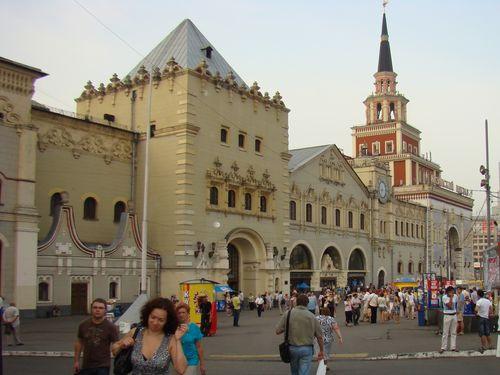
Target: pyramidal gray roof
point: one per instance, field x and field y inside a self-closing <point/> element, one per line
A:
<point x="186" y="44"/>
<point x="302" y="156"/>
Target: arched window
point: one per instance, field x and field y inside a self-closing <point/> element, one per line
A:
<point x="214" y="196"/>
<point x="293" y="210"/>
<point x="410" y="267"/>
<point x="113" y="290"/>
<point x="412" y="230"/>
<point x="396" y="227"/>
<point x="231" y="198"/>
<point x="120" y="207"/>
<point x="309" y="213"/>
<point x="263" y="204"/>
<point x="420" y="267"/>
<point x="55" y="200"/>
<point x="407" y="229"/>
<point x="241" y="140"/>
<point x="337" y="217"/>
<point x="379" y="111"/>
<point x="258" y="143"/>
<point x="323" y="215"/>
<point x="43" y="291"/>
<point x="223" y="135"/>
<point x="416" y="231"/>
<point x="349" y="219"/>
<point x="248" y="201"/>
<point x="402" y="228"/>
<point x="90" y="209"/>
<point x="400" y="267"/>
<point x="362" y="221"/>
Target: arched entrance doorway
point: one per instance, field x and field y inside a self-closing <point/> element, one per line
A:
<point x="381" y="279"/>
<point x="454" y="252"/>
<point x="331" y="265"/>
<point x="245" y="251"/>
<point x="301" y="267"/>
<point x="357" y="269"/>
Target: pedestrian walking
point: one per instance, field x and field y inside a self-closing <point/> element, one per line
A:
<point x="312" y="304"/>
<point x="259" y="301"/>
<point x="411" y="305"/>
<point x="348" y="311"/>
<point x="12" y="323"/>
<point x="373" y="304"/>
<point x="251" y="301"/>
<point x="460" y="311"/>
<point x="158" y="342"/>
<point x="281" y="302"/>
<point x="303" y="328"/>
<point x="241" y="296"/>
<point x="484" y="310"/>
<point x="449" y="320"/>
<point x="205" y="307"/>
<point x="356" y="308"/>
<point x="328" y="325"/>
<point x="382" y="307"/>
<point x="191" y="342"/>
<point x="236" y="310"/>
<point x="95" y="337"/>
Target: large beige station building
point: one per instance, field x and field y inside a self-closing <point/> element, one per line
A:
<point x="228" y="200"/>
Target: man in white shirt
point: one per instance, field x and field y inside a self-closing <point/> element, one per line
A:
<point x="484" y="309"/>
<point x="373" y="304"/>
<point x="11" y="317"/>
<point x="449" y="320"/>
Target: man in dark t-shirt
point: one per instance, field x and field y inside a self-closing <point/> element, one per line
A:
<point x="95" y="336"/>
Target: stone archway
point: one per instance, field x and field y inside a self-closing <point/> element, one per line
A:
<point x="301" y="266"/>
<point x="356" y="269"/>
<point x="454" y="254"/>
<point x="331" y="267"/>
<point x="246" y="255"/>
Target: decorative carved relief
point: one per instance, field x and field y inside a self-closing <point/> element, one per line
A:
<point x="8" y="110"/>
<point x="121" y="150"/>
<point x="93" y="144"/>
<point x="56" y="137"/>
<point x="216" y="173"/>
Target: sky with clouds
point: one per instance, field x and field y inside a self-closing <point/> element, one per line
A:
<point x="321" y="56"/>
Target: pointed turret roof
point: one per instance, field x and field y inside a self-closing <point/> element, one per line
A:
<point x="188" y="46"/>
<point x="384" y="56"/>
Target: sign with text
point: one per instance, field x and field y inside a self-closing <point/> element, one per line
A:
<point x="432" y="290"/>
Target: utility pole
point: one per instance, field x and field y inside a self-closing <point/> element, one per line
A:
<point x="485" y="182"/>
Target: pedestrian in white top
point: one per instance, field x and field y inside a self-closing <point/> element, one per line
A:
<point x="449" y="320"/>
<point x="11" y="319"/>
<point x="484" y="309"/>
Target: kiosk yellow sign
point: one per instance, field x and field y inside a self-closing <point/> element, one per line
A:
<point x="189" y="295"/>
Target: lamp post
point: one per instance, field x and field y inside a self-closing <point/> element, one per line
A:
<point x="485" y="182"/>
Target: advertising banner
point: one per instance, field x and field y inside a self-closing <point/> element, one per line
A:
<point x="432" y="290"/>
<point x="190" y="293"/>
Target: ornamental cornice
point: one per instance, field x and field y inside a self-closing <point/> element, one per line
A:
<point x="170" y="72"/>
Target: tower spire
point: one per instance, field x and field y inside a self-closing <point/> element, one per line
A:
<point x="384" y="56"/>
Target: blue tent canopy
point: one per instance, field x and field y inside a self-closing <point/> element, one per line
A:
<point x="223" y="289"/>
<point x="303" y="285"/>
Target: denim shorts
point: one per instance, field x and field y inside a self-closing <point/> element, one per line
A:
<point x="484" y="327"/>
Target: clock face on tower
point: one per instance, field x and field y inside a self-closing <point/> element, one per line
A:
<point x="383" y="191"/>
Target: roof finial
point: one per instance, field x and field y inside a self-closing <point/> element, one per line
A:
<point x="384" y="4"/>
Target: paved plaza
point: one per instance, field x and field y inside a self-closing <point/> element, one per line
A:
<point x="252" y="348"/>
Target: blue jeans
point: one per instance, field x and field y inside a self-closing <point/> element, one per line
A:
<point x="236" y="317"/>
<point x="301" y="357"/>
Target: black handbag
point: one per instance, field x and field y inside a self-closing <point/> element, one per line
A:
<point x="123" y="361"/>
<point x="285" y="345"/>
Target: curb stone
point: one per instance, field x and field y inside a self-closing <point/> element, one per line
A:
<point x="394" y="356"/>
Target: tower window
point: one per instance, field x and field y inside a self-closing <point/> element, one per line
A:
<point x="293" y="210"/>
<point x="241" y="140"/>
<point x="152" y="130"/>
<point x="223" y="135"/>
<point x="379" y="111"/>
<point x="376" y="148"/>
<point x="258" y="144"/>
<point x="120" y="207"/>
<point x="263" y="204"/>
<point x="231" y="199"/>
<point x="337" y="217"/>
<point x="323" y="215"/>
<point x="208" y="52"/>
<point x="389" y="147"/>
<point x="55" y="200"/>
<point x="392" y="113"/>
<point x="214" y="196"/>
<point x="309" y="213"/>
<point x="90" y="209"/>
<point x="248" y="201"/>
